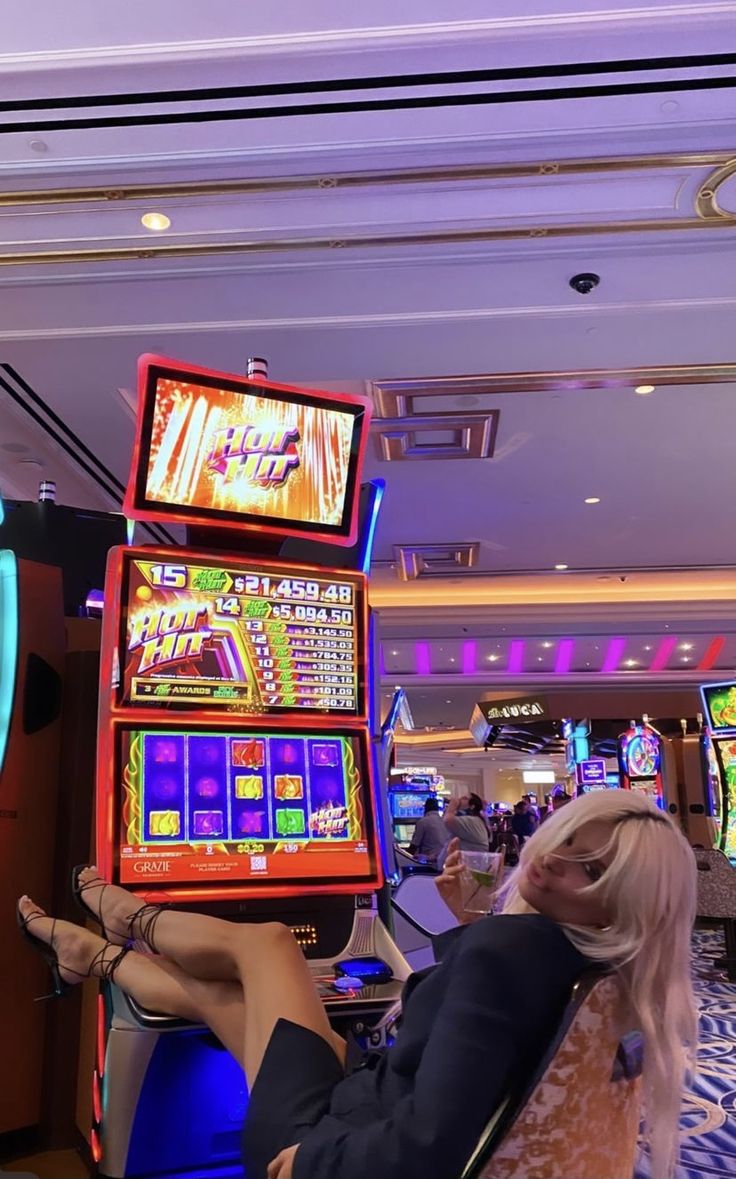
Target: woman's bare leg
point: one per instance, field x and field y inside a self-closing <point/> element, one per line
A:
<point x="154" y="983"/>
<point x="264" y="959"/>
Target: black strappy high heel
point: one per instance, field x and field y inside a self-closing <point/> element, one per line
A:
<point x="49" y="955"/>
<point x="78" y="891"/>
<point x="146" y="918"/>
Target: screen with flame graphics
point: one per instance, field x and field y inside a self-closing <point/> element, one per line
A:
<point x="236" y="452"/>
<point x="242" y="637"/>
<point x="234" y="806"/>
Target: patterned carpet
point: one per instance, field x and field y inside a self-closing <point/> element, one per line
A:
<point x="709" y="1118"/>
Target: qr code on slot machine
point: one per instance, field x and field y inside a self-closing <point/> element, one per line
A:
<point x="258" y="863"/>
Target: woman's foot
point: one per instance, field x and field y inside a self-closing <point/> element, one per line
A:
<point x="81" y="954"/>
<point x="114" y="907"/>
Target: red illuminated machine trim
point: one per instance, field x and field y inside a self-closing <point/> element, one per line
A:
<point x="322" y="868"/>
<point x="289" y="464"/>
<point x="222" y="870"/>
<point x="211" y="635"/>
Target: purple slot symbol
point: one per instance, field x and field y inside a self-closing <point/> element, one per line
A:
<point x="208" y="823"/>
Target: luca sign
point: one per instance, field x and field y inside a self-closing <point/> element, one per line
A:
<point x="527" y="708"/>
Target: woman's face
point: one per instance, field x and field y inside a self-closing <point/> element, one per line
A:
<point x="552" y="884"/>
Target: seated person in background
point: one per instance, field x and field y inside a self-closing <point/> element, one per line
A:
<point x="463" y="818"/>
<point x="609" y="880"/>
<point x="523" y="821"/>
<point x="430" y="834"/>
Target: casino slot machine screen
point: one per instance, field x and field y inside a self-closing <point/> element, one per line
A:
<point x="719" y="702"/>
<point x="220" y="451"/>
<point x="205" y="792"/>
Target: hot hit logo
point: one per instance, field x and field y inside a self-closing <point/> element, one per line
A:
<point x="264" y="457"/>
<point x="168" y="634"/>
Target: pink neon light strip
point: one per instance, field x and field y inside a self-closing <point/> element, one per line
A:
<point x="564" y="656"/>
<point x="470" y="652"/>
<point x="423" y="661"/>
<point x="712" y="653"/>
<point x="516" y="655"/>
<point x="614" y="654"/>
<point x="663" y="653"/>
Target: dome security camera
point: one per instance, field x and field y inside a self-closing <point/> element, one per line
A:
<point x="584" y="283"/>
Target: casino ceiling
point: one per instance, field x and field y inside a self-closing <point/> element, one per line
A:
<point x="398" y="207"/>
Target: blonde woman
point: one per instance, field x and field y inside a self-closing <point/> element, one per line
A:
<point x="607" y="880"/>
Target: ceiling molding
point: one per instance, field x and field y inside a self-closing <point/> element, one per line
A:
<point x="338" y="41"/>
<point x="459" y="174"/>
<point x="394" y="398"/>
<point x="669" y="680"/>
<point x="387" y="319"/>
<point x="432" y="560"/>
<point x="435" y="436"/>
<point x="541" y="614"/>
<point x="46" y="257"/>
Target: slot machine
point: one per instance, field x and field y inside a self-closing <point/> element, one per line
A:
<point x="719" y="750"/>
<point x="235" y="755"/>
<point x="640" y="757"/>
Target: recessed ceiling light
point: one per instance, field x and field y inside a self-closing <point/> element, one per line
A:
<point x="631" y="663"/>
<point x="593" y="499"/>
<point x="686" y="659"/>
<point x="546" y="643"/>
<point x="448" y="701"/>
<point x="686" y="646"/>
<point x="492" y="658"/>
<point x="540" y="659"/>
<point x="155" y="221"/>
<point x="647" y="646"/>
<point x="394" y="652"/>
<point x="644" y="389"/>
<point x="452" y="659"/>
<point x="561" y="566"/>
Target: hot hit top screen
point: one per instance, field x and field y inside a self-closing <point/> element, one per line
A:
<point x="211" y="452"/>
<point x="243" y="806"/>
<point x="247" y="638"/>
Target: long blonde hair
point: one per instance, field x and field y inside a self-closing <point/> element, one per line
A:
<point x="649" y="889"/>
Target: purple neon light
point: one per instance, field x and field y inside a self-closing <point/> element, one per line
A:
<point x="516" y="655"/>
<point x="564" y="656"/>
<point x="423" y="661"/>
<point x="470" y="651"/>
<point x="663" y="653"/>
<point x="614" y="653"/>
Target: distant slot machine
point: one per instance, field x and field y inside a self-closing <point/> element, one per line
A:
<point x="640" y="761"/>
<point x="719" y="706"/>
<point x="409" y="789"/>
<point x="234" y="753"/>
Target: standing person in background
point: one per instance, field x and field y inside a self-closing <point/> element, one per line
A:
<point x="430" y="834"/>
<point x="464" y="819"/>
<point x="523" y="821"/>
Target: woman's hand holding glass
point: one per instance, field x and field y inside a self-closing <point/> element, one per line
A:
<point x="449" y="884"/>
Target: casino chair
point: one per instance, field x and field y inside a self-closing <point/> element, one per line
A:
<point x="717" y="898"/>
<point x="579" y="1116"/>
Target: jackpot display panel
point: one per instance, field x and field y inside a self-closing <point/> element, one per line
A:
<point x="719" y="706"/>
<point x="221" y="451"/>
<point x="234" y="753"/>
<point x="243" y="636"/>
<point x="640" y="761"/>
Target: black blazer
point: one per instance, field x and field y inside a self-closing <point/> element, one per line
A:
<point x="474" y="1029"/>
